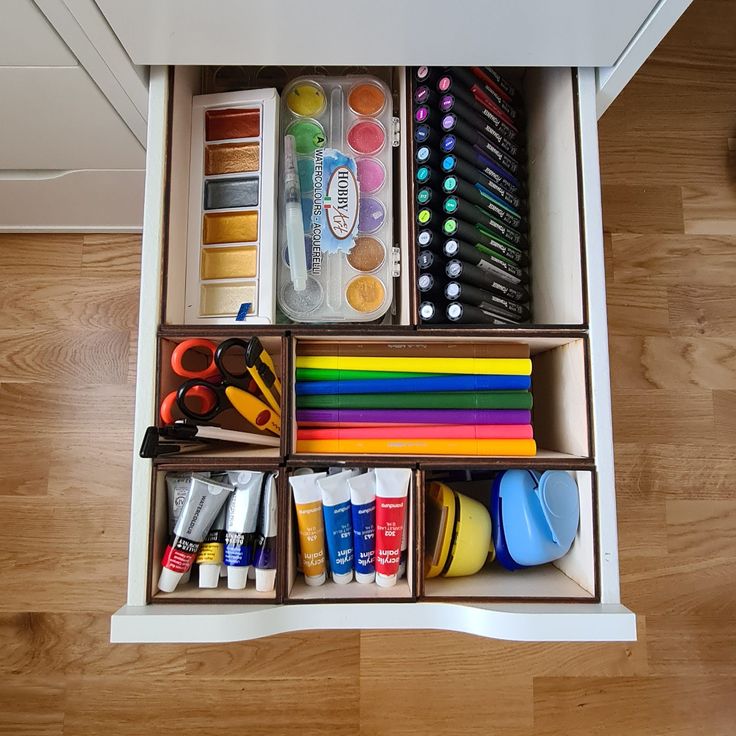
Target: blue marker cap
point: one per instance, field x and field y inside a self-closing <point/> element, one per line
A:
<point x="448" y="163"/>
<point x="447" y="143"/>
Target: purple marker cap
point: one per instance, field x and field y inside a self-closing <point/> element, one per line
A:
<point x="447" y="143"/>
<point x="421" y="114"/>
<point x="421" y="95"/>
<point x="448" y="122"/>
<point x="447" y="102"/>
<point x="444" y="84"/>
<point x="414" y="416"/>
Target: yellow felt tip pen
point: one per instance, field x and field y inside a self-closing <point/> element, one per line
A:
<point x="483" y="448"/>
<point x="260" y="415"/>
<point x="465" y="366"/>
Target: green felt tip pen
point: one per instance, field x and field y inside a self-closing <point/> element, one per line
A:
<point x="436" y="400"/>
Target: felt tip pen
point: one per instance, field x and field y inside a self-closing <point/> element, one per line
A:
<point x="453" y="104"/>
<point x="426" y="196"/>
<point x="467" y="294"/>
<point x="430" y="287"/>
<point x="431" y="313"/>
<point x="477" y="234"/>
<point x="481" y="276"/>
<point x="427" y="74"/>
<point x="427" y="175"/>
<point x="430" y="216"/>
<point x="428" y="238"/>
<point x="426" y="115"/>
<point x="485" y="448"/>
<point x="453" y="123"/>
<point x="513" y="113"/>
<point x="455" y="185"/>
<point x="415" y="385"/>
<point x="452" y="144"/>
<point x="452" y="164"/>
<point x="489" y="265"/>
<point x="473" y="95"/>
<point x="467" y="314"/>
<point x="418" y="432"/>
<point x="475" y="216"/>
<point x="425" y="95"/>
<point x="453" y="230"/>
<point x="448" y="365"/>
<point x="492" y="78"/>
<point x="424" y="133"/>
<point x="427" y="155"/>
<point x="428" y="260"/>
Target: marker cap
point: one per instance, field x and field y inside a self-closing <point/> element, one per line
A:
<point x="342" y="578"/>
<point x="315" y="580"/>
<point x="385" y="581"/>
<point x="237" y="577"/>
<point x="365" y="577"/>
<point x="168" y="580"/>
<point x="209" y="576"/>
<point x="265" y="580"/>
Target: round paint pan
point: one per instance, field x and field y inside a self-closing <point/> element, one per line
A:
<point x="306" y="99"/>
<point x="371" y="215"/>
<point x="365" y="294"/>
<point x="366" y="137"/>
<point x="371" y="175"/>
<point x="368" y="254"/>
<point x="308" y="134"/>
<point x="367" y="99"/>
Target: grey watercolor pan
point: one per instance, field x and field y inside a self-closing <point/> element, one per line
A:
<point x="241" y="191"/>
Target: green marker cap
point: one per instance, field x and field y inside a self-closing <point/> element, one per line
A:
<point x="449" y="185"/>
<point x="423" y="174"/>
<point x="449" y="226"/>
<point x="424" y="216"/>
<point x="450" y="205"/>
<point x="424" y="195"/>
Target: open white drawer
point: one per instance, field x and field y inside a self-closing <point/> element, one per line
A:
<point x="575" y="601"/>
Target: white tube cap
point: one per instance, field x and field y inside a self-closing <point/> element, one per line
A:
<point x="237" y="577"/>
<point x="315" y="580"/>
<point x="168" y="580"/>
<point x="365" y="577"/>
<point x="385" y="581"/>
<point x="185" y="577"/>
<point x="209" y="576"/>
<point x="265" y="580"/>
<point x="342" y="578"/>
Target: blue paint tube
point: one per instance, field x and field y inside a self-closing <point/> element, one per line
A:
<point x="264" y="560"/>
<point x="240" y="527"/>
<point x="363" y="501"/>
<point x="338" y="524"/>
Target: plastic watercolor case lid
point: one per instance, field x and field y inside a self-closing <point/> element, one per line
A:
<point x="348" y="226"/>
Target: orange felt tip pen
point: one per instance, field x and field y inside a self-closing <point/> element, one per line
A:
<point x="475" y="447"/>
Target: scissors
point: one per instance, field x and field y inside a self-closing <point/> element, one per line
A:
<point x="214" y="389"/>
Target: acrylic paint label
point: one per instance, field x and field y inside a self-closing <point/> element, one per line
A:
<point x="335" y="204"/>
<point x="179" y="554"/>
<point x="238" y="549"/>
<point x="364" y="536"/>
<point x="311" y="537"/>
<point x="389" y="530"/>
<point x="339" y="534"/>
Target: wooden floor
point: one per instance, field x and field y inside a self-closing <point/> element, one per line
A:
<point x="67" y="321"/>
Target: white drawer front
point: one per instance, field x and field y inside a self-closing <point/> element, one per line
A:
<point x="141" y="621"/>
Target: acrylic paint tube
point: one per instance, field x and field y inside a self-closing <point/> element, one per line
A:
<point x="392" y="487"/>
<point x="210" y="555"/>
<point x="205" y="499"/>
<point x="240" y="527"/>
<point x="404" y="544"/>
<point x="265" y="558"/>
<point x="338" y="524"/>
<point x="363" y="506"/>
<point x="308" y="503"/>
<point x="177" y="485"/>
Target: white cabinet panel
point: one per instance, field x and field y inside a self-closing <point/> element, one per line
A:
<point x="27" y="39"/>
<point x="292" y="32"/>
<point x="57" y="118"/>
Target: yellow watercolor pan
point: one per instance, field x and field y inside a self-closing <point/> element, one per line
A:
<point x="225" y="300"/>
<point x="230" y="227"/>
<point x="240" y="262"/>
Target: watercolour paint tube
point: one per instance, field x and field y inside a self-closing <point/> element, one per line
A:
<point x="265" y="557"/>
<point x="211" y="553"/>
<point x="240" y="526"/>
<point x="177" y="485"/>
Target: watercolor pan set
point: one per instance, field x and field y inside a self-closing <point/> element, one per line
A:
<point x="231" y="231"/>
<point x="341" y="130"/>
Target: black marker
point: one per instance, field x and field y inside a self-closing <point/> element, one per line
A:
<point x="452" y="164"/>
<point x="428" y="216"/>
<point x="430" y="287"/>
<point x="475" y="216"/>
<point x="433" y="262"/>
<point x="475" y="235"/>
<point x="470" y="315"/>
<point x="426" y="134"/>
<point x="467" y="77"/>
<point x="452" y="144"/>
<point x="467" y="294"/>
<point x="451" y="123"/>
<point x="428" y="156"/>
<point x="491" y="77"/>
<point x="452" y="104"/>
<point x="428" y="238"/>
<point x="448" y="84"/>
<point x="426" y="175"/>
<point x="485" y="272"/>
<point x="428" y="197"/>
<point x="432" y="312"/>
<point x="455" y="185"/>
<point x="425" y="95"/>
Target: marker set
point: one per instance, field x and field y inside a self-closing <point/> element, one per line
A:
<point x="471" y="227"/>
<point x="428" y="404"/>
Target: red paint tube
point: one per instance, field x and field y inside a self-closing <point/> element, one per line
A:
<point x="392" y="488"/>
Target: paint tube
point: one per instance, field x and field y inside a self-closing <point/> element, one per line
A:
<point x="392" y="487"/>
<point x="177" y="485"/>
<point x="338" y="524"/>
<point x="264" y="560"/>
<point x="363" y="506"/>
<point x="205" y="499"/>
<point x="308" y="502"/>
<point x="404" y="544"/>
<point x="240" y="526"/>
<point x="210" y="555"/>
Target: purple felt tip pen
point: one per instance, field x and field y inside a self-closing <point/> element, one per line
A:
<point x="322" y="417"/>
